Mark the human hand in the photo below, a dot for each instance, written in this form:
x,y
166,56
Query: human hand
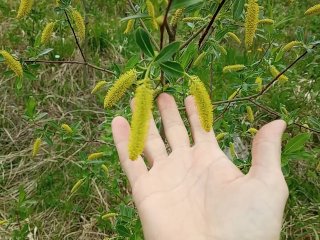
x,y
196,192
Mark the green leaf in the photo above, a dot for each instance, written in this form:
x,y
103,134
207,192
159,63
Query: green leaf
x,y
44,52
132,62
123,230
188,54
300,34
172,68
31,107
315,123
296,143
238,7
184,3
22,195
167,52
137,16
279,55
144,42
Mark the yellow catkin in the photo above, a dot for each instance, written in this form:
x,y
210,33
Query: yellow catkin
x,y
290,45
140,120
2,222
77,185
193,19
253,131
24,8
36,147
234,37
203,102
251,22
152,14
234,94
232,150
13,64
284,110
250,115
260,49
199,59
274,72
129,27
105,169
108,216
80,25
66,128
221,136
96,155
47,32
160,20
98,86
223,50
176,17
259,83
233,68
313,10
266,21
116,92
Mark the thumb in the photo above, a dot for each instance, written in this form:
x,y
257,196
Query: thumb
x,y
266,150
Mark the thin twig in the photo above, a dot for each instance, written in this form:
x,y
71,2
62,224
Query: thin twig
x,y
165,24
192,38
285,70
268,86
211,22
75,36
71,62
270,111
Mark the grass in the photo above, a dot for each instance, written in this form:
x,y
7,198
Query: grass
x,y
35,193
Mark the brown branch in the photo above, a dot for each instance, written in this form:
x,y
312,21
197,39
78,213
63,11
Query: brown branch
x,y
165,25
70,62
268,86
75,36
211,22
192,38
252,98
270,111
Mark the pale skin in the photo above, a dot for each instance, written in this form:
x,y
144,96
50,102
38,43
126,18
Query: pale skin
x,y
196,192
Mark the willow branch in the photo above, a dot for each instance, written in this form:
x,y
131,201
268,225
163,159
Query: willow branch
x,y
206,32
272,112
165,25
196,34
75,36
70,62
269,85
266,88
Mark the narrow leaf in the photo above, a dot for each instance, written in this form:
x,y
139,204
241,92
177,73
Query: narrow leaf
x,y
296,143
144,42
238,7
172,68
184,3
167,52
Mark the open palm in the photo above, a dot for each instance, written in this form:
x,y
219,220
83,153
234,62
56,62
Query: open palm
x,y
196,192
